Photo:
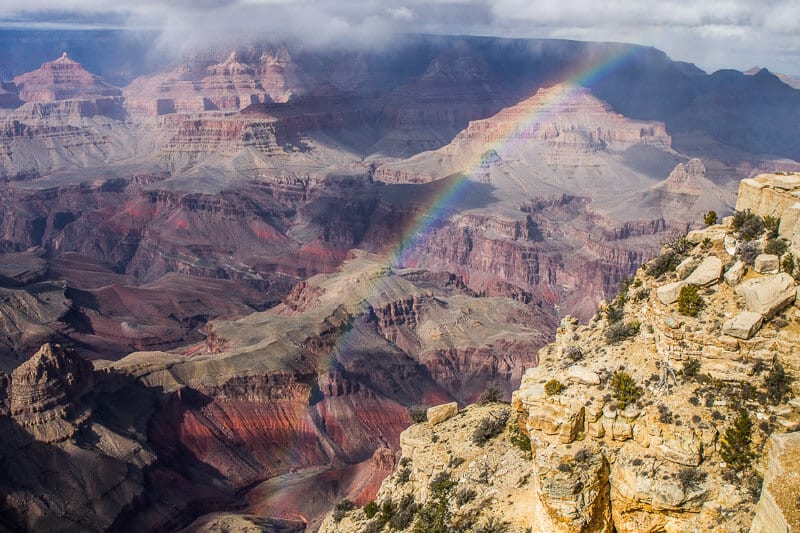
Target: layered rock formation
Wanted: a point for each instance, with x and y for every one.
(655, 416)
(279, 413)
(61, 79)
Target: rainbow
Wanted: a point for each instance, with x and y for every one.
(448, 198)
(449, 192)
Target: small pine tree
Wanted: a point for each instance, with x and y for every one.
(710, 218)
(690, 303)
(771, 224)
(625, 389)
(788, 264)
(735, 443)
(777, 383)
(492, 394)
(553, 387)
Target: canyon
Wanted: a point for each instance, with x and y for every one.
(224, 282)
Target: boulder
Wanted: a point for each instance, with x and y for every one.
(439, 413)
(777, 509)
(769, 294)
(707, 273)
(767, 264)
(669, 293)
(743, 325)
(735, 273)
(686, 267)
(582, 375)
(713, 233)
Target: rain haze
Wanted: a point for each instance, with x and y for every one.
(714, 34)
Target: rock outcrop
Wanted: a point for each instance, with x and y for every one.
(777, 508)
(45, 393)
(634, 420)
(61, 79)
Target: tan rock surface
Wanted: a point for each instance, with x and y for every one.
(439, 413)
(769, 294)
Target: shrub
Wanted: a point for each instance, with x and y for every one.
(752, 228)
(583, 456)
(492, 525)
(404, 513)
(747, 252)
(677, 242)
(788, 264)
(771, 224)
(492, 394)
(418, 413)
(625, 388)
(464, 496)
(573, 353)
(341, 509)
(690, 478)
(690, 303)
(776, 247)
(489, 427)
(403, 475)
(666, 262)
(520, 440)
(434, 516)
(619, 331)
(710, 218)
(455, 462)
(691, 367)
(735, 442)
(553, 387)
(614, 313)
(777, 383)
(371, 509)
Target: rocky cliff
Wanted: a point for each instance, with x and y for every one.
(663, 413)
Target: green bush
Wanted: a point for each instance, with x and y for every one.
(690, 478)
(777, 383)
(435, 516)
(788, 264)
(573, 353)
(403, 475)
(371, 509)
(492, 394)
(748, 251)
(489, 427)
(464, 496)
(553, 387)
(690, 303)
(666, 262)
(341, 509)
(691, 368)
(418, 413)
(776, 247)
(619, 331)
(749, 225)
(710, 218)
(735, 442)
(771, 224)
(403, 514)
(625, 389)
(520, 439)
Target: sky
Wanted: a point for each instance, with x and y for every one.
(712, 34)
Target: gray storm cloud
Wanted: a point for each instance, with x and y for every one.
(713, 33)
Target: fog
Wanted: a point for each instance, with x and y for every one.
(712, 34)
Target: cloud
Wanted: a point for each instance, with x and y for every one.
(712, 33)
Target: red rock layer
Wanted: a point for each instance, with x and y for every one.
(62, 79)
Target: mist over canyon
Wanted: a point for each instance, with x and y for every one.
(224, 279)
